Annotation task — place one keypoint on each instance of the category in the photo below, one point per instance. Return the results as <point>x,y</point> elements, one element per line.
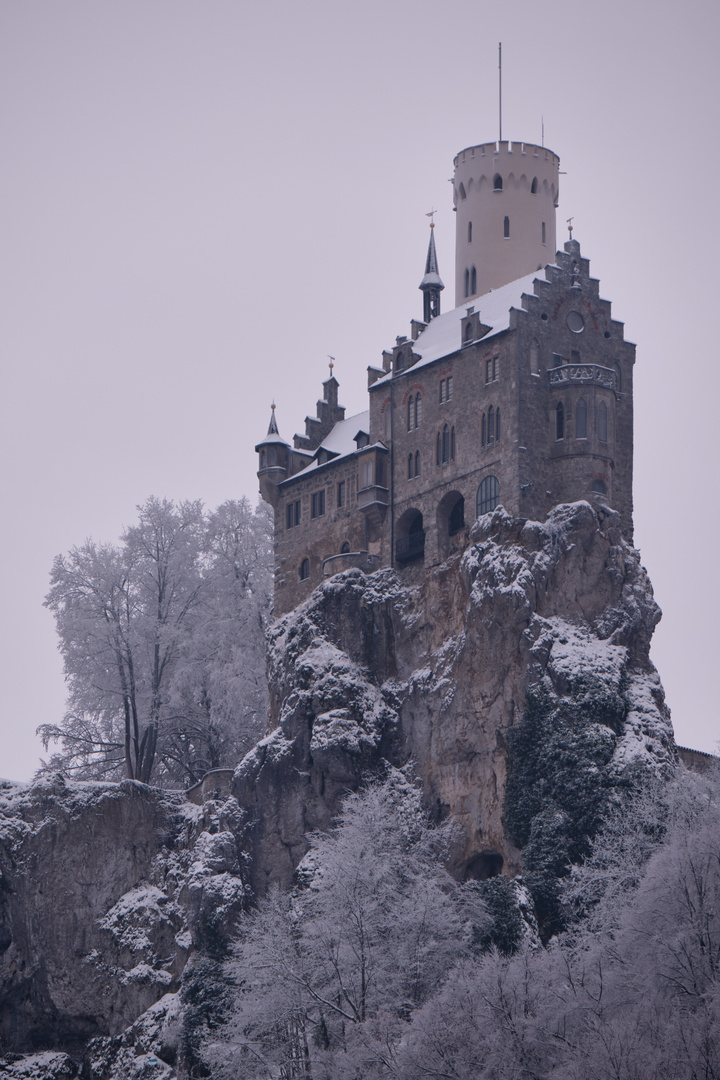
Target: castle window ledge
<point>582,375</point>
<point>372,496</point>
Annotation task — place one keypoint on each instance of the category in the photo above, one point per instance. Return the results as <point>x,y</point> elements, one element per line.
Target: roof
<point>340,441</point>
<point>442,336</point>
<point>432,272</point>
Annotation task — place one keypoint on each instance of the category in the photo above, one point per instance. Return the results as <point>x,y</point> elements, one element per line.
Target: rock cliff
<point>515,676</point>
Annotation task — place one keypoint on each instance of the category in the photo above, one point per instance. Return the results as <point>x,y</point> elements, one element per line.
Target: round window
<point>575,322</point>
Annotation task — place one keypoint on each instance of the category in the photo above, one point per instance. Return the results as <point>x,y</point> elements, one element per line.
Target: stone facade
<point>520,397</point>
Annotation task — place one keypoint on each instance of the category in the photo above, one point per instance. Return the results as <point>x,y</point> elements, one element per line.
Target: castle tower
<point>431,284</point>
<point>274,461</point>
<point>505,196</point>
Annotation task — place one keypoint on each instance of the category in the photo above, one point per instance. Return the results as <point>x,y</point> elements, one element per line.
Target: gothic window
<point>462,192</point>
<point>445,445</point>
<point>411,464</point>
<point>418,410</point>
<point>438,449</point>
<point>467,282</point>
<point>506,228</point>
<point>560,421</point>
<point>497,182</point>
<point>304,569</point>
<point>581,419</point>
<point>341,493</point>
<point>497,425</point>
<point>456,521</point>
<point>345,549</point>
<point>488,495</point>
<point>544,239</point>
<point>317,504</point>
<point>452,444</point>
<point>534,186</point>
<point>491,426</point>
<point>469,232</point>
<point>387,421</point>
<point>534,357</point>
<point>411,413</point>
<point>380,471</point>
<point>602,422</point>
<point>473,281</point>
<point>417,462</point>
<point>483,438</point>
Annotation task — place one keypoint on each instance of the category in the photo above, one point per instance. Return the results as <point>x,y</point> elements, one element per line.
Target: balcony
<point>410,547</point>
<point>583,375</point>
<point>373,501</point>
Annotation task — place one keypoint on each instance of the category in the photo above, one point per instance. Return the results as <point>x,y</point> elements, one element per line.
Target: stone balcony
<point>373,501</point>
<point>583,375</point>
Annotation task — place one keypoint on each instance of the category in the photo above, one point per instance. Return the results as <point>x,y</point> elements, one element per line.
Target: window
<point>445,389</point>
<point>534,357</point>
<point>557,360</point>
<point>462,192</point>
<point>411,466</point>
<point>581,419</point>
<point>304,570</point>
<point>388,425</point>
<point>473,281</point>
<point>438,449</point>
<point>534,186</point>
<point>575,356</point>
<point>602,422</point>
<point>341,493</point>
<point>497,182</point>
<point>292,514</point>
<point>468,335</point>
<point>497,425</point>
<point>491,426</point>
<point>345,549</point>
<point>599,487</point>
<point>317,504</point>
<point>491,369</point>
<point>411,413</point>
<point>506,228</point>
<point>560,421</point>
<point>488,495</point>
<point>366,473</point>
<point>456,520</point>
<point>467,282</point>
<point>263,459</point>
<point>445,445</point>
<point>469,232</point>
<point>544,239</point>
<point>417,462</point>
<point>483,438</point>
<point>418,410</point>
<point>452,444</point>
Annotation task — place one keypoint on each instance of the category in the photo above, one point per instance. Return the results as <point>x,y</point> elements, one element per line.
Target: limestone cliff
<point>106,889</point>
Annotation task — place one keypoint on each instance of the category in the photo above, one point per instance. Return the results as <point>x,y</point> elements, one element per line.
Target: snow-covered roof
<point>443,335</point>
<point>340,441</point>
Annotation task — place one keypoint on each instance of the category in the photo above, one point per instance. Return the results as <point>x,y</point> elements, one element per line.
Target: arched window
<point>468,331</point>
<point>581,419</point>
<point>497,182</point>
<point>491,426</point>
<point>304,570</point>
<point>452,444</point>
<point>497,425</point>
<point>461,190</point>
<point>417,462</point>
<point>418,410</point>
<point>534,357</point>
<point>456,520</point>
<point>488,495</point>
<point>560,421</point>
<point>445,444</point>
<point>602,422</point>
<point>411,413</point>
<point>506,228</point>
<point>599,487</point>
<point>473,281</point>
<point>483,437</point>
<point>388,414</point>
<point>469,232</point>
<point>411,461</point>
<point>467,282</point>
<point>438,449</point>
<point>345,549</point>
<point>544,238</point>
<point>534,186</point>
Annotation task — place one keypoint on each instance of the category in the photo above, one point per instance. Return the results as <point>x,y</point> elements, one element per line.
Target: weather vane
<point>332,363</point>
<point>431,216</point>
<point>570,227</point>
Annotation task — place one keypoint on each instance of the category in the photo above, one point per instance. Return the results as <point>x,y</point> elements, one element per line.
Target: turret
<point>274,460</point>
<point>505,196</point>
<point>431,284</point>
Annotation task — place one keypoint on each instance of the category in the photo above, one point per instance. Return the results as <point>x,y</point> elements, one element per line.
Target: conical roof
<point>432,279</point>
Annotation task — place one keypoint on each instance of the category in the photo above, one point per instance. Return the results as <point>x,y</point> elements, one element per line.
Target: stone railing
<point>583,374</point>
<point>364,560</point>
<point>410,547</point>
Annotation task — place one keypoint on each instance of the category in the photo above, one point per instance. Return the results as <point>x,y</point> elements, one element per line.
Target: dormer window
<point>497,182</point>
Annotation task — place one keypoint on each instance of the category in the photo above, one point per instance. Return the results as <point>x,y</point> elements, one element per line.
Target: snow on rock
<point>46,1066</point>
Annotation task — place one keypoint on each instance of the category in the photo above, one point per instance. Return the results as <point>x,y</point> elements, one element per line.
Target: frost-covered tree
<point>163,640</point>
<point>329,974</point>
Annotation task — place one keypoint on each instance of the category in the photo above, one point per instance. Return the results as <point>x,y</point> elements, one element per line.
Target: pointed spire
<point>431,284</point>
<point>272,426</point>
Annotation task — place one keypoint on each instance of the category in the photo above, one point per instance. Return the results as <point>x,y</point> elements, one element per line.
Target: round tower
<point>505,195</point>
<point>274,461</point>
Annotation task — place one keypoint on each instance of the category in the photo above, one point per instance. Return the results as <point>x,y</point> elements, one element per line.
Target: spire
<point>431,284</point>
<point>272,426</point>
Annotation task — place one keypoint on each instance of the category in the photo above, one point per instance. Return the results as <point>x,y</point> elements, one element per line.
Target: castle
<point>520,396</point>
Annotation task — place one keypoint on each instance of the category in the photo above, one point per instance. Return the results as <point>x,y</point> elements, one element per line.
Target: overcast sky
<point>201,200</point>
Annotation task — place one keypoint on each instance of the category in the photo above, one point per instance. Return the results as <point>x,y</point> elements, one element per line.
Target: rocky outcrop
<point>370,669</point>
<point>107,888</point>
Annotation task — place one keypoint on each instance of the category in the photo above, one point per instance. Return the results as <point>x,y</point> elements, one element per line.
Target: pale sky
<point>201,200</point>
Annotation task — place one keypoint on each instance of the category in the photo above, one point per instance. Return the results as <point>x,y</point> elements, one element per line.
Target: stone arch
<point>450,522</point>
<point>409,537</point>
<point>304,569</point>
